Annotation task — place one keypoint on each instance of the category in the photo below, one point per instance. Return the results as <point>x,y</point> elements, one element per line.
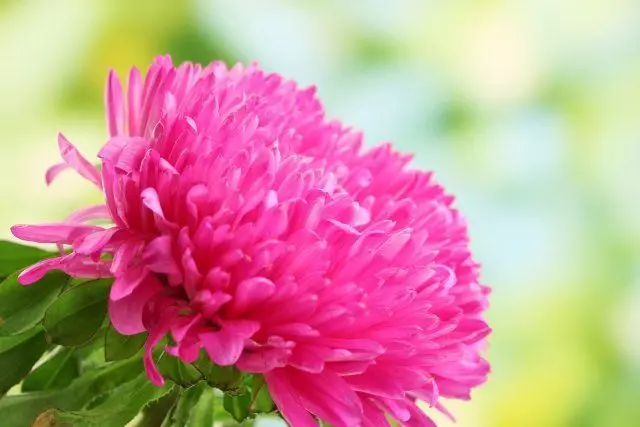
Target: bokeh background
<point>527,110</point>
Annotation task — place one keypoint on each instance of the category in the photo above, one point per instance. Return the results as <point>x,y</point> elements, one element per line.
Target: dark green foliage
<point>238,405</point>
<point>56,373</point>
<point>119,347</point>
<point>174,369</point>
<point>18,354</point>
<point>22,307</point>
<point>225,378</point>
<point>76,316</point>
<point>15,257</point>
<point>120,407</point>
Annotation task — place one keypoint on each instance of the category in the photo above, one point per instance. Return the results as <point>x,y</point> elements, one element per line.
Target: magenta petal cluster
<point>246,224</point>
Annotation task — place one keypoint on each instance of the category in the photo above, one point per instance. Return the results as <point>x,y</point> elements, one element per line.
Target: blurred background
<point>527,110</point>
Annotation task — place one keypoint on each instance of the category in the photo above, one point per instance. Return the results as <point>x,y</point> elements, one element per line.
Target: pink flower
<point>247,224</point>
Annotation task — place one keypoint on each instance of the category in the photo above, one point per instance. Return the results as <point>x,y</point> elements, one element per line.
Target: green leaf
<point>122,405</point>
<point>21,410</point>
<point>91,354</point>
<point>225,378</point>
<point>261,399</point>
<point>76,316</point>
<point>177,371</point>
<point>204,414</point>
<point>22,307</point>
<point>157,412</point>
<point>120,347</point>
<point>55,373</point>
<point>75,281</point>
<point>199,406</point>
<point>263,403</point>
<point>238,406</point>
<point>18,354</point>
<point>14,257</point>
<point>107,378</point>
<point>181,413</point>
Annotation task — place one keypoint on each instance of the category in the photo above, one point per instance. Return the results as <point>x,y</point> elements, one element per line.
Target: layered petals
<point>247,226</point>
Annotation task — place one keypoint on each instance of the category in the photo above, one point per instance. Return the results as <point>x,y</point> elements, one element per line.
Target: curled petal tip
<point>16,229</point>
<point>25,279</point>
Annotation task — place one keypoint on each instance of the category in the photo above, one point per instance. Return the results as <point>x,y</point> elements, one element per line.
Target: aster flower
<point>247,225</point>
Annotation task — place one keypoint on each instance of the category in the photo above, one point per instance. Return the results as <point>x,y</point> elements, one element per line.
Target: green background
<point>528,111</point>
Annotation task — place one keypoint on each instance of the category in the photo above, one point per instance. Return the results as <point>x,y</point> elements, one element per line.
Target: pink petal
<point>72,264</point>
<point>149,365</point>
<point>418,418</point>
<point>151,200</point>
<point>124,152</point>
<point>356,347</point>
<point>295,330</point>
<point>208,303</point>
<point>54,171</point>
<point>263,360</point>
<point>225,346</point>
<point>192,277</point>
<point>76,161</point>
<point>328,396</point>
<point>181,327</point>
<point>445,411</point>
<point>158,257</point>
<point>350,368</point>
<point>131,155</point>
<point>429,393</point>
<point>397,408</point>
<point>53,233</point>
<point>305,358</point>
<point>95,242</point>
<point>124,255</point>
<point>86,267</point>
<point>188,349</point>
<point>134,101</point>
<point>89,213</point>
<point>114,105</point>
<point>250,293</point>
<point>372,415</point>
<point>112,149</point>
<point>374,383</point>
<point>37,271</point>
<point>126,313</point>
<point>287,400</point>
<point>126,283</point>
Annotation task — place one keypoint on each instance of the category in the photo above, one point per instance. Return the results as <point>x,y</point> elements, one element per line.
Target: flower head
<point>245,223</point>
